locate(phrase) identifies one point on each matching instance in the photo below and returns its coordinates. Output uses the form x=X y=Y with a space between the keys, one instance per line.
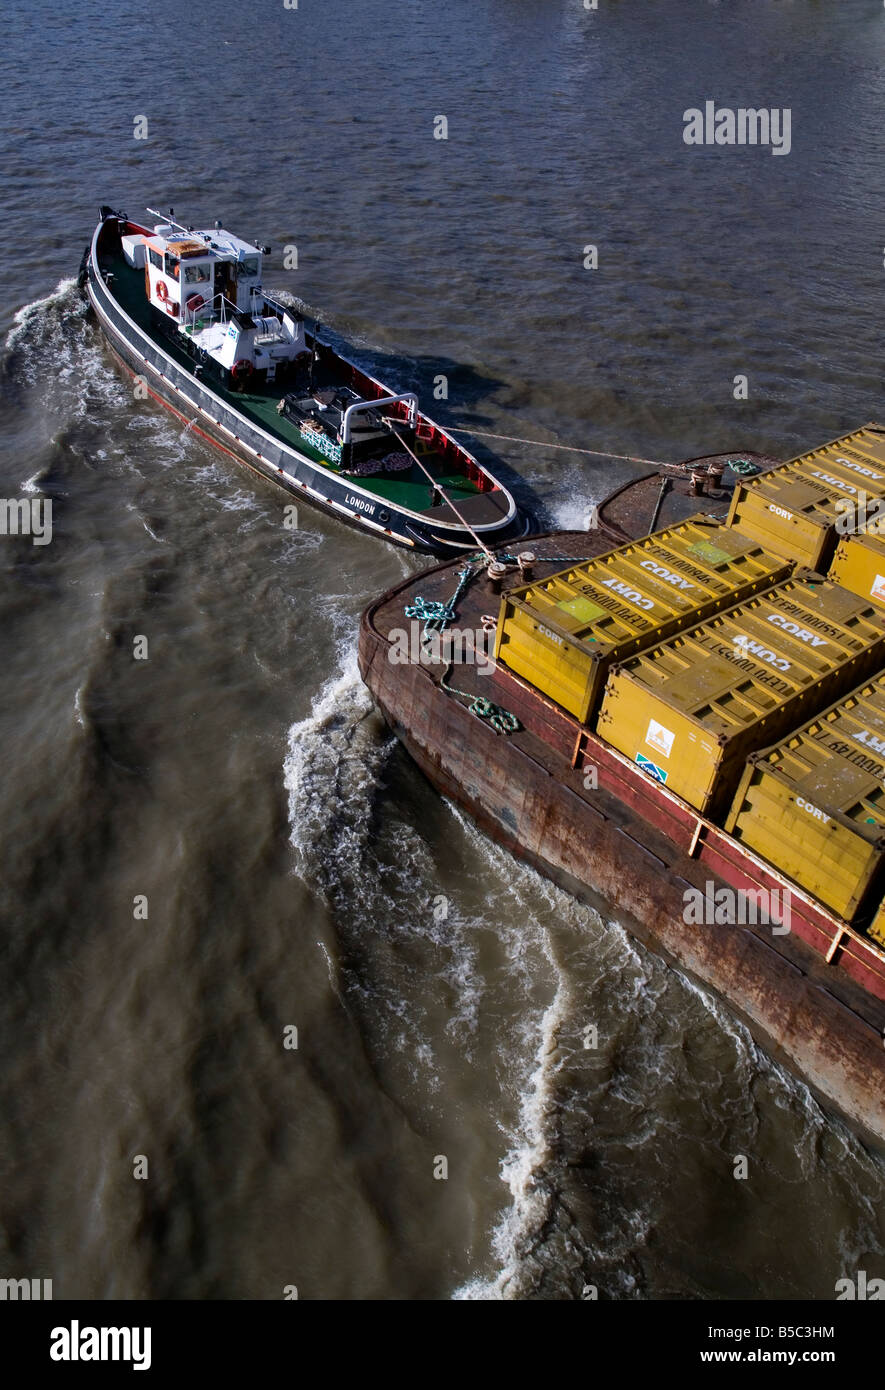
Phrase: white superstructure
x=209 y=282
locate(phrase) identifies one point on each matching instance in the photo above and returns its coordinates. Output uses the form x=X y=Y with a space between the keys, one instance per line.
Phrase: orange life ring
x=162 y=292
x=242 y=370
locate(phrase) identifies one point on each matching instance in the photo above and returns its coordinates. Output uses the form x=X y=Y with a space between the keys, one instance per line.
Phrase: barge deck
x=814 y=997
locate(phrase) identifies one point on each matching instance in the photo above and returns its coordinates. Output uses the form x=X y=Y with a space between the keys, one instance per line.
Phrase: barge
x=185 y=311
x=808 y=978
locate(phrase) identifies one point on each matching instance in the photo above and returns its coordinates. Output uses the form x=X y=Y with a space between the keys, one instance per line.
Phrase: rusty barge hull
x=814 y=999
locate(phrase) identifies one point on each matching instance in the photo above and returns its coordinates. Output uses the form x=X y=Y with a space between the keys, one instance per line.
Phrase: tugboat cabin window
x=171 y=265
x=196 y=274
x=247 y=268
x=156 y=258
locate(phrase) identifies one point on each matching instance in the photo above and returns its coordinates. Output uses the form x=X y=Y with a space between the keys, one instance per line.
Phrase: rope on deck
x=501 y=720
x=434 y=483
x=436 y=614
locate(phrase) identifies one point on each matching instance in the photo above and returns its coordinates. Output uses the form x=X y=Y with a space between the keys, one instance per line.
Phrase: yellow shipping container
x=877 y=927
x=859 y=565
x=793 y=510
x=562 y=634
x=691 y=711
x=814 y=804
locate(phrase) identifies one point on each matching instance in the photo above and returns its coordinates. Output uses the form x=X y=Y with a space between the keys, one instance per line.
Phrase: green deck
x=408 y=490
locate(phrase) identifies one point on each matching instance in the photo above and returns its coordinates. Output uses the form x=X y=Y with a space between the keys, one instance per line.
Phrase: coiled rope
x=501 y=720
x=436 y=615
x=743 y=467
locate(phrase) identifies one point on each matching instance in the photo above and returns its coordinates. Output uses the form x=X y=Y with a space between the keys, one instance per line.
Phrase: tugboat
x=186 y=311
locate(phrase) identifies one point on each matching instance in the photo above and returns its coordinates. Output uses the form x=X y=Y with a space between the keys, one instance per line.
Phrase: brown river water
x=299 y=871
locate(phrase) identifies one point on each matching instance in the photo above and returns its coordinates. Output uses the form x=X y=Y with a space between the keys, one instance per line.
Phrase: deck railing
x=226 y=306
x=208 y=310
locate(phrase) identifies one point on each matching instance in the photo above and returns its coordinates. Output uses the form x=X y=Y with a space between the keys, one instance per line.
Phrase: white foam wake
x=534 y=1064
x=319 y=773
x=573 y=511
x=370 y=869
x=523 y=1169
x=63 y=296
x=52 y=347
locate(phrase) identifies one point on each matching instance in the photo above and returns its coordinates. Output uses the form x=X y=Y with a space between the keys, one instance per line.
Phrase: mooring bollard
x=496 y=572
x=526 y=560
